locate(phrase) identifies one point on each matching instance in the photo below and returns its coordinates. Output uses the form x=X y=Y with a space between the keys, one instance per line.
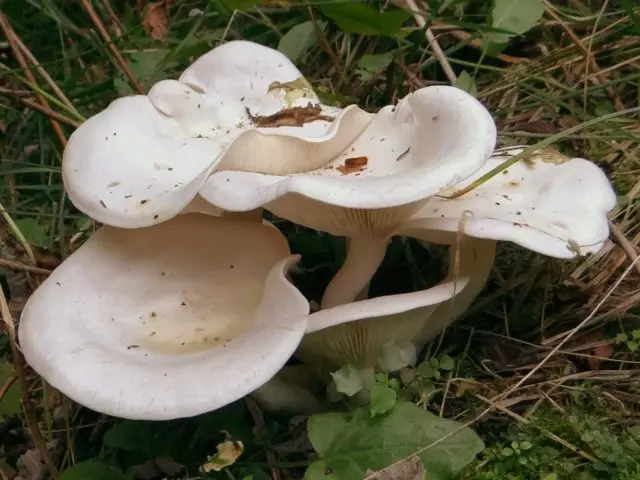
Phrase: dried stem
x=86 y=4
x=14 y=42
x=49 y=113
x=433 y=42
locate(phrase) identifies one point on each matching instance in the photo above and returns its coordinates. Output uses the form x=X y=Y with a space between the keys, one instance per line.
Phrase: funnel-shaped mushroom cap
x=168 y=321
x=431 y=140
x=362 y=328
x=546 y=202
x=140 y=161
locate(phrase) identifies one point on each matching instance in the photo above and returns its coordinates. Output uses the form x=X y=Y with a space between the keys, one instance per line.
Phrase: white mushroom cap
x=547 y=202
x=354 y=333
x=168 y=321
x=431 y=140
x=141 y=161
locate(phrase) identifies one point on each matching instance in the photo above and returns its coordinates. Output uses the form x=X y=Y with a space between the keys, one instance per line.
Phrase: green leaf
x=447 y=363
x=356 y=17
x=507 y=452
x=632 y=345
x=350 y=443
x=515 y=16
x=465 y=82
x=295 y=43
x=369 y=65
x=622 y=337
x=427 y=370
x=33 y=231
x=91 y=470
x=394 y=357
x=129 y=435
x=348 y=380
x=383 y=399
x=10 y=403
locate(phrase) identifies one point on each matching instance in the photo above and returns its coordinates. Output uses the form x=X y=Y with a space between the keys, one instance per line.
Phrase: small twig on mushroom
x=289 y=117
x=86 y=4
x=433 y=42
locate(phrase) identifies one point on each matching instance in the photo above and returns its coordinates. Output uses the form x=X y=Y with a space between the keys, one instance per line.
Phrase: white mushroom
x=168 y=321
x=142 y=160
x=431 y=140
x=546 y=202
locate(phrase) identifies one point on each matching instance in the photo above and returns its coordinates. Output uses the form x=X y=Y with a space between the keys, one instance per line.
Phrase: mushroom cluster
x=181 y=303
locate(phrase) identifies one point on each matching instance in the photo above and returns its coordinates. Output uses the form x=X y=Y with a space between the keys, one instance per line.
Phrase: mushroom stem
x=364 y=256
x=251 y=215
x=472 y=258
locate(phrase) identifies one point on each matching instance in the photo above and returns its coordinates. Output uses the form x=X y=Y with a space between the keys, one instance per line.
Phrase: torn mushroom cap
x=547 y=202
x=169 y=321
x=141 y=161
x=400 y=319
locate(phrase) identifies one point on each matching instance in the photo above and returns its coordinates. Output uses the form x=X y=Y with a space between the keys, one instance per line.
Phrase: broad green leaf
x=348 y=380
x=358 y=17
x=129 y=435
x=91 y=470
x=33 y=231
x=394 y=357
x=369 y=65
x=515 y=16
x=465 y=82
x=350 y=443
x=427 y=370
x=383 y=399
x=295 y=43
x=447 y=363
x=10 y=403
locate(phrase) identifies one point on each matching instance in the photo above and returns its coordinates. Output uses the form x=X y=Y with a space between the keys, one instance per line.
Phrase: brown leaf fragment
x=353 y=165
x=290 y=117
x=156 y=19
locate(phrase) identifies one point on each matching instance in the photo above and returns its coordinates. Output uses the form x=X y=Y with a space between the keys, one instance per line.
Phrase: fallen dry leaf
x=228 y=453
x=156 y=19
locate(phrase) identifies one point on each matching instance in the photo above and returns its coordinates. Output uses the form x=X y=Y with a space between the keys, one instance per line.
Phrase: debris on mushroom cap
x=290 y=117
x=434 y=156
x=353 y=165
x=198 y=301
x=161 y=147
